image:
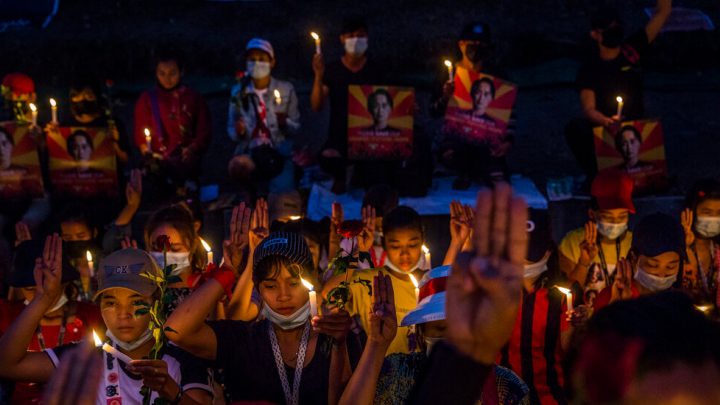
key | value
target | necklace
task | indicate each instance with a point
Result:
(291, 397)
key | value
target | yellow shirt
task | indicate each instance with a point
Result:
(570, 248)
(360, 303)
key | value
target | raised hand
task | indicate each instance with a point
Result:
(460, 224)
(156, 377)
(133, 189)
(334, 323)
(686, 219)
(234, 246)
(318, 65)
(483, 290)
(622, 286)
(579, 315)
(259, 223)
(589, 247)
(48, 271)
(76, 379)
(22, 233)
(126, 243)
(367, 236)
(337, 217)
(383, 320)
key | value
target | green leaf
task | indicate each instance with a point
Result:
(142, 311)
(173, 279)
(169, 268)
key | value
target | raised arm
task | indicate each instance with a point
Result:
(589, 107)
(16, 363)
(460, 230)
(133, 195)
(319, 90)
(249, 230)
(663, 8)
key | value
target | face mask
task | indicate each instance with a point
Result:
(613, 36)
(130, 346)
(429, 343)
(181, 260)
(536, 269)
(286, 322)
(654, 283)
(258, 70)
(708, 227)
(77, 249)
(84, 107)
(396, 269)
(477, 53)
(356, 45)
(611, 231)
(59, 304)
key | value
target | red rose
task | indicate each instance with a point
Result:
(239, 74)
(162, 242)
(109, 83)
(348, 229)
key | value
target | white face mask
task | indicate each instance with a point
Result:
(429, 343)
(130, 346)
(654, 283)
(356, 45)
(396, 269)
(258, 70)
(59, 304)
(610, 230)
(708, 227)
(534, 270)
(181, 260)
(287, 322)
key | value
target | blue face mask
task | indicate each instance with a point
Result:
(654, 283)
(258, 70)
(610, 230)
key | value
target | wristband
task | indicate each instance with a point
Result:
(226, 277)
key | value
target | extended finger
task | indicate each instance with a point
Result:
(517, 232)
(47, 248)
(501, 201)
(233, 223)
(482, 222)
(390, 300)
(375, 299)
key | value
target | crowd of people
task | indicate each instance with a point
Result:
(103, 304)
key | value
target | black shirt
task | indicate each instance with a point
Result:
(245, 354)
(337, 79)
(621, 76)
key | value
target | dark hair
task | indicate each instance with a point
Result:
(476, 86)
(271, 266)
(604, 17)
(7, 134)
(704, 189)
(168, 54)
(71, 139)
(381, 197)
(372, 98)
(83, 82)
(352, 24)
(181, 218)
(619, 136)
(76, 212)
(402, 217)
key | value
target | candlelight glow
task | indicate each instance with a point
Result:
(619, 99)
(425, 249)
(88, 255)
(414, 280)
(448, 63)
(276, 93)
(315, 36)
(295, 217)
(205, 245)
(703, 308)
(307, 284)
(53, 103)
(33, 108)
(563, 290)
(97, 340)
(147, 132)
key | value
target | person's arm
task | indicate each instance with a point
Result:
(460, 229)
(663, 9)
(16, 363)
(155, 376)
(293, 112)
(383, 327)
(336, 324)
(133, 195)
(319, 90)
(334, 239)
(588, 103)
(588, 250)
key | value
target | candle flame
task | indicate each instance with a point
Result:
(315, 36)
(206, 246)
(703, 308)
(619, 99)
(276, 92)
(53, 103)
(295, 217)
(88, 255)
(97, 340)
(448, 63)
(563, 290)
(414, 280)
(33, 108)
(425, 249)
(147, 132)
(307, 284)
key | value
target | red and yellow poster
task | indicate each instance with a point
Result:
(82, 162)
(380, 122)
(20, 175)
(636, 148)
(480, 108)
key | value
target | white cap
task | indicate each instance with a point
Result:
(261, 44)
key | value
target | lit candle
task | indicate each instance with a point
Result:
(568, 295)
(428, 263)
(34, 111)
(148, 140)
(53, 109)
(704, 308)
(316, 37)
(208, 250)
(91, 265)
(111, 350)
(313, 297)
(449, 66)
(295, 217)
(415, 283)
(620, 107)
(278, 99)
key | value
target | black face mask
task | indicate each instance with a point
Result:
(478, 53)
(613, 36)
(84, 107)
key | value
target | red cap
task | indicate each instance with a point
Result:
(19, 83)
(613, 190)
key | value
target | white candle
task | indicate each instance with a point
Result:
(109, 349)
(34, 111)
(620, 107)
(568, 296)
(208, 250)
(415, 283)
(316, 37)
(450, 69)
(91, 265)
(278, 99)
(428, 259)
(313, 297)
(53, 109)
(148, 140)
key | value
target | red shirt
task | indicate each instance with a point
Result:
(184, 119)
(534, 351)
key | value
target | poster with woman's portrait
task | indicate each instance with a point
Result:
(636, 148)
(20, 174)
(380, 122)
(480, 108)
(82, 162)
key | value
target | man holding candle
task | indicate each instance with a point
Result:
(263, 116)
(612, 75)
(175, 377)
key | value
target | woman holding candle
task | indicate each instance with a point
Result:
(177, 376)
(257, 357)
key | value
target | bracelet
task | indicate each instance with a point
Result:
(226, 277)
